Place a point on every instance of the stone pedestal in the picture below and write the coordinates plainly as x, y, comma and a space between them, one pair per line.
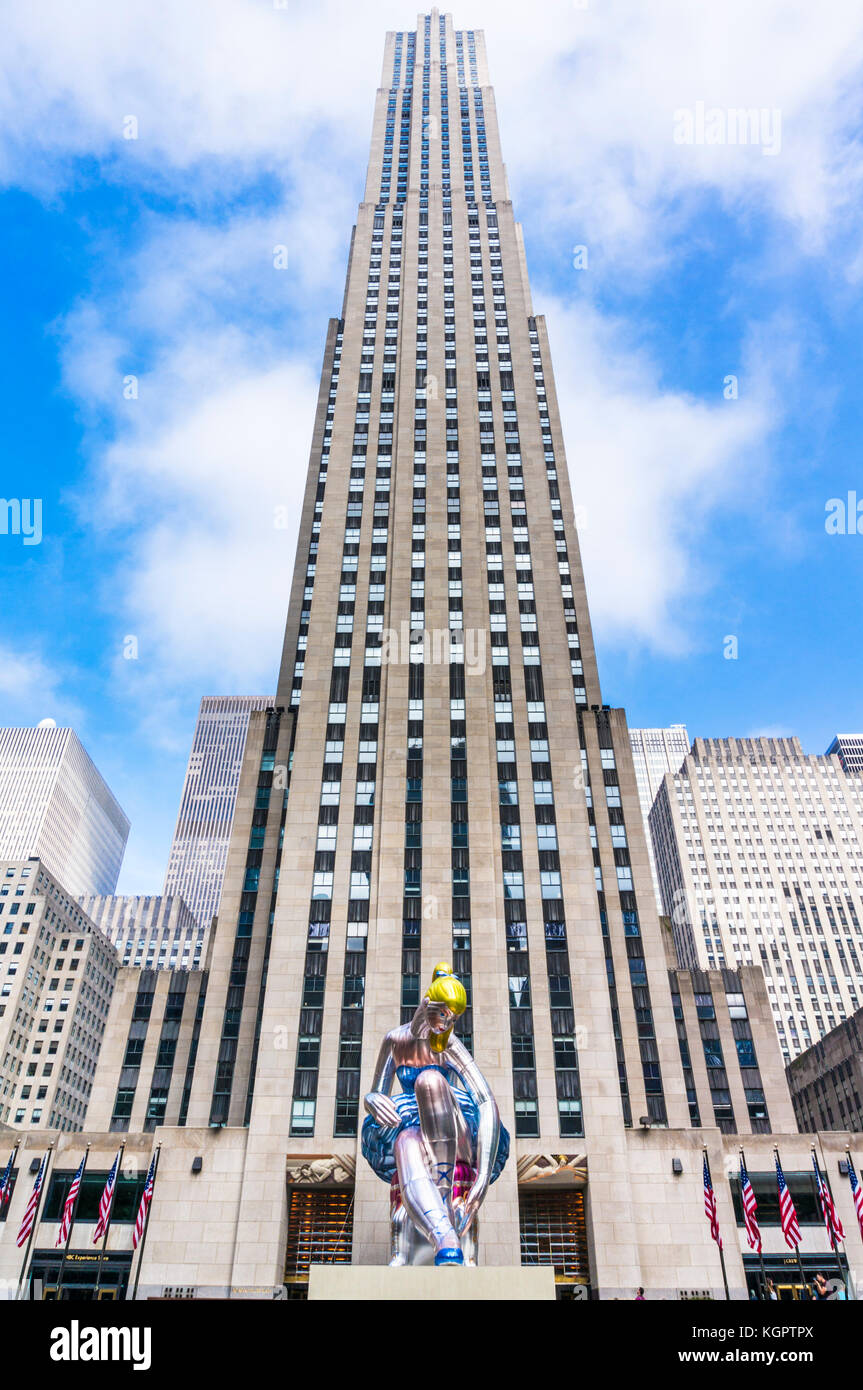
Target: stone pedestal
378, 1283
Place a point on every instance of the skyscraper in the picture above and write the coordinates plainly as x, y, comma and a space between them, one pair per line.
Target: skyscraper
439, 780
196, 863
55, 806
655, 752
448, 784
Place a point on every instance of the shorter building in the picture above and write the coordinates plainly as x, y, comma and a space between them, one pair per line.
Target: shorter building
759, 850
826, 1080
732, 1064
56, 806
155, 933
144, 1078
57, 975
848, 748
655, 752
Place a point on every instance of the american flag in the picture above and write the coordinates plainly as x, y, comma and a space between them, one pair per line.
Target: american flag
787, 1214
710, 1205
146, 1199
106, 1201
750, 1209
6, 1180
856, 1192
69, 1206
30, 1213
828, 1211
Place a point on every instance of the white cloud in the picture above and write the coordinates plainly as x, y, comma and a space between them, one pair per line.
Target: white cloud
587, 99
31, 688
228, 90
209, 557
648, 469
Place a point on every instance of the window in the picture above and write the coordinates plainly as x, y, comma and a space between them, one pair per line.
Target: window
559, 991
565, 1057
303, 1117
519, 992
308, 1051
526, 1118
569, 1113
746, 1052
704, 1006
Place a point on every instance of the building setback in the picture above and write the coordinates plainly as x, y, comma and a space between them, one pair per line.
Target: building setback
759, 850
196, 863
55, 805
438, 779
149, 931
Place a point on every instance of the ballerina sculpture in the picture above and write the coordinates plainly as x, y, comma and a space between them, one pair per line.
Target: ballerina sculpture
439, 1143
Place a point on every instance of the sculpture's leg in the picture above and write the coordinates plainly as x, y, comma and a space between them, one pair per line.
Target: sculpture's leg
425, 1205
399, 1227
443, 1129
464, 1176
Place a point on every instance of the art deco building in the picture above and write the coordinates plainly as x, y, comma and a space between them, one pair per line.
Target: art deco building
759, 848
55, 805
655, 752
438, 778
196, 863
57, 973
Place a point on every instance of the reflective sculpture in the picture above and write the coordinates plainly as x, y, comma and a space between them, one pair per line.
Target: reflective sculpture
439, 1143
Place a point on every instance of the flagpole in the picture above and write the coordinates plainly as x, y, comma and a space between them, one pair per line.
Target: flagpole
108, 1222
719, 1242
760, 1242
850, 1164
796, 1244
12, 1166
834, 1239
146, 1225
72, 1222
42, 1191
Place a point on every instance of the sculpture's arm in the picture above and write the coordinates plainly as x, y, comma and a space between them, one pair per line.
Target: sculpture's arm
487, 1135
378, 1102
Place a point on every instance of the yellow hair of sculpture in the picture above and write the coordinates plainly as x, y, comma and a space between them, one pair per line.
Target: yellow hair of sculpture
447, 989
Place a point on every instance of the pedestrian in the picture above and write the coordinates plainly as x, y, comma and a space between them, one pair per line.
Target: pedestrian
771, 1292
821, 1288
639, 1297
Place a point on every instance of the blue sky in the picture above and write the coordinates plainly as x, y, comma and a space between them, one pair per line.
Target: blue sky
703, 518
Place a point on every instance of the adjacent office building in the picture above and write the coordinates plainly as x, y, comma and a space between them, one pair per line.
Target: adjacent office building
848, 748
655, 752
57, 973
759, 849
439, 779
155, 933
196, 864
55, 805
826, 1080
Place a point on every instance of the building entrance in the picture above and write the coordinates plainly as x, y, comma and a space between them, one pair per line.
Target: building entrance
553, 1231
76, 1279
